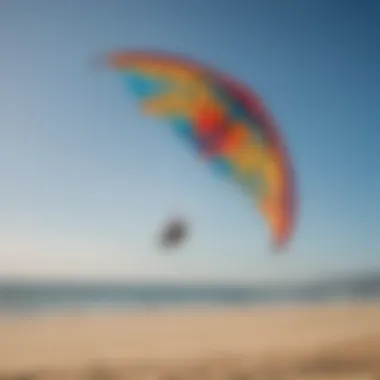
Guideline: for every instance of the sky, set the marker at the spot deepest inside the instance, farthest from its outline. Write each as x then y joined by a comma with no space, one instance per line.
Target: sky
87,180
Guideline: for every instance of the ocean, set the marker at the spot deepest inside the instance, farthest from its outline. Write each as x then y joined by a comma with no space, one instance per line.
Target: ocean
52,296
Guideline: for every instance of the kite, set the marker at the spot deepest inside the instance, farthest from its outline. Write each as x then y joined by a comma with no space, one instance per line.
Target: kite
224,121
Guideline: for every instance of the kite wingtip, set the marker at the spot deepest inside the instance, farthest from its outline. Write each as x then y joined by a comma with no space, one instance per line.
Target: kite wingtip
280,245
102,60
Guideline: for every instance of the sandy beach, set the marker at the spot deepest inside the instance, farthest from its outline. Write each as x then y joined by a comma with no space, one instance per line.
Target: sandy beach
289,342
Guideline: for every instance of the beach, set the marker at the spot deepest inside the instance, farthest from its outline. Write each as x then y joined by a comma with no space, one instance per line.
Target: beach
288,341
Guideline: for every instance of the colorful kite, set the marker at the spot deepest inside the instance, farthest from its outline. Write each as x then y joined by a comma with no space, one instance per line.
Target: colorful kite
223,121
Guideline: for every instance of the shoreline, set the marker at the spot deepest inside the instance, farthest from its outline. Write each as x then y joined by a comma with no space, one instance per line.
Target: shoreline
194,308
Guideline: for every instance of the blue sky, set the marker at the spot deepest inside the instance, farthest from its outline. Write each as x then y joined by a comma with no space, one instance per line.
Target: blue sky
87,180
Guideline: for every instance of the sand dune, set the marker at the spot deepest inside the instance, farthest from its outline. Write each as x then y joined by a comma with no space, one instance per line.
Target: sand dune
290,343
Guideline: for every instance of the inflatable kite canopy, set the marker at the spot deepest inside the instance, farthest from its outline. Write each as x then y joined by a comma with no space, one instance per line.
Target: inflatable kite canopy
223,121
